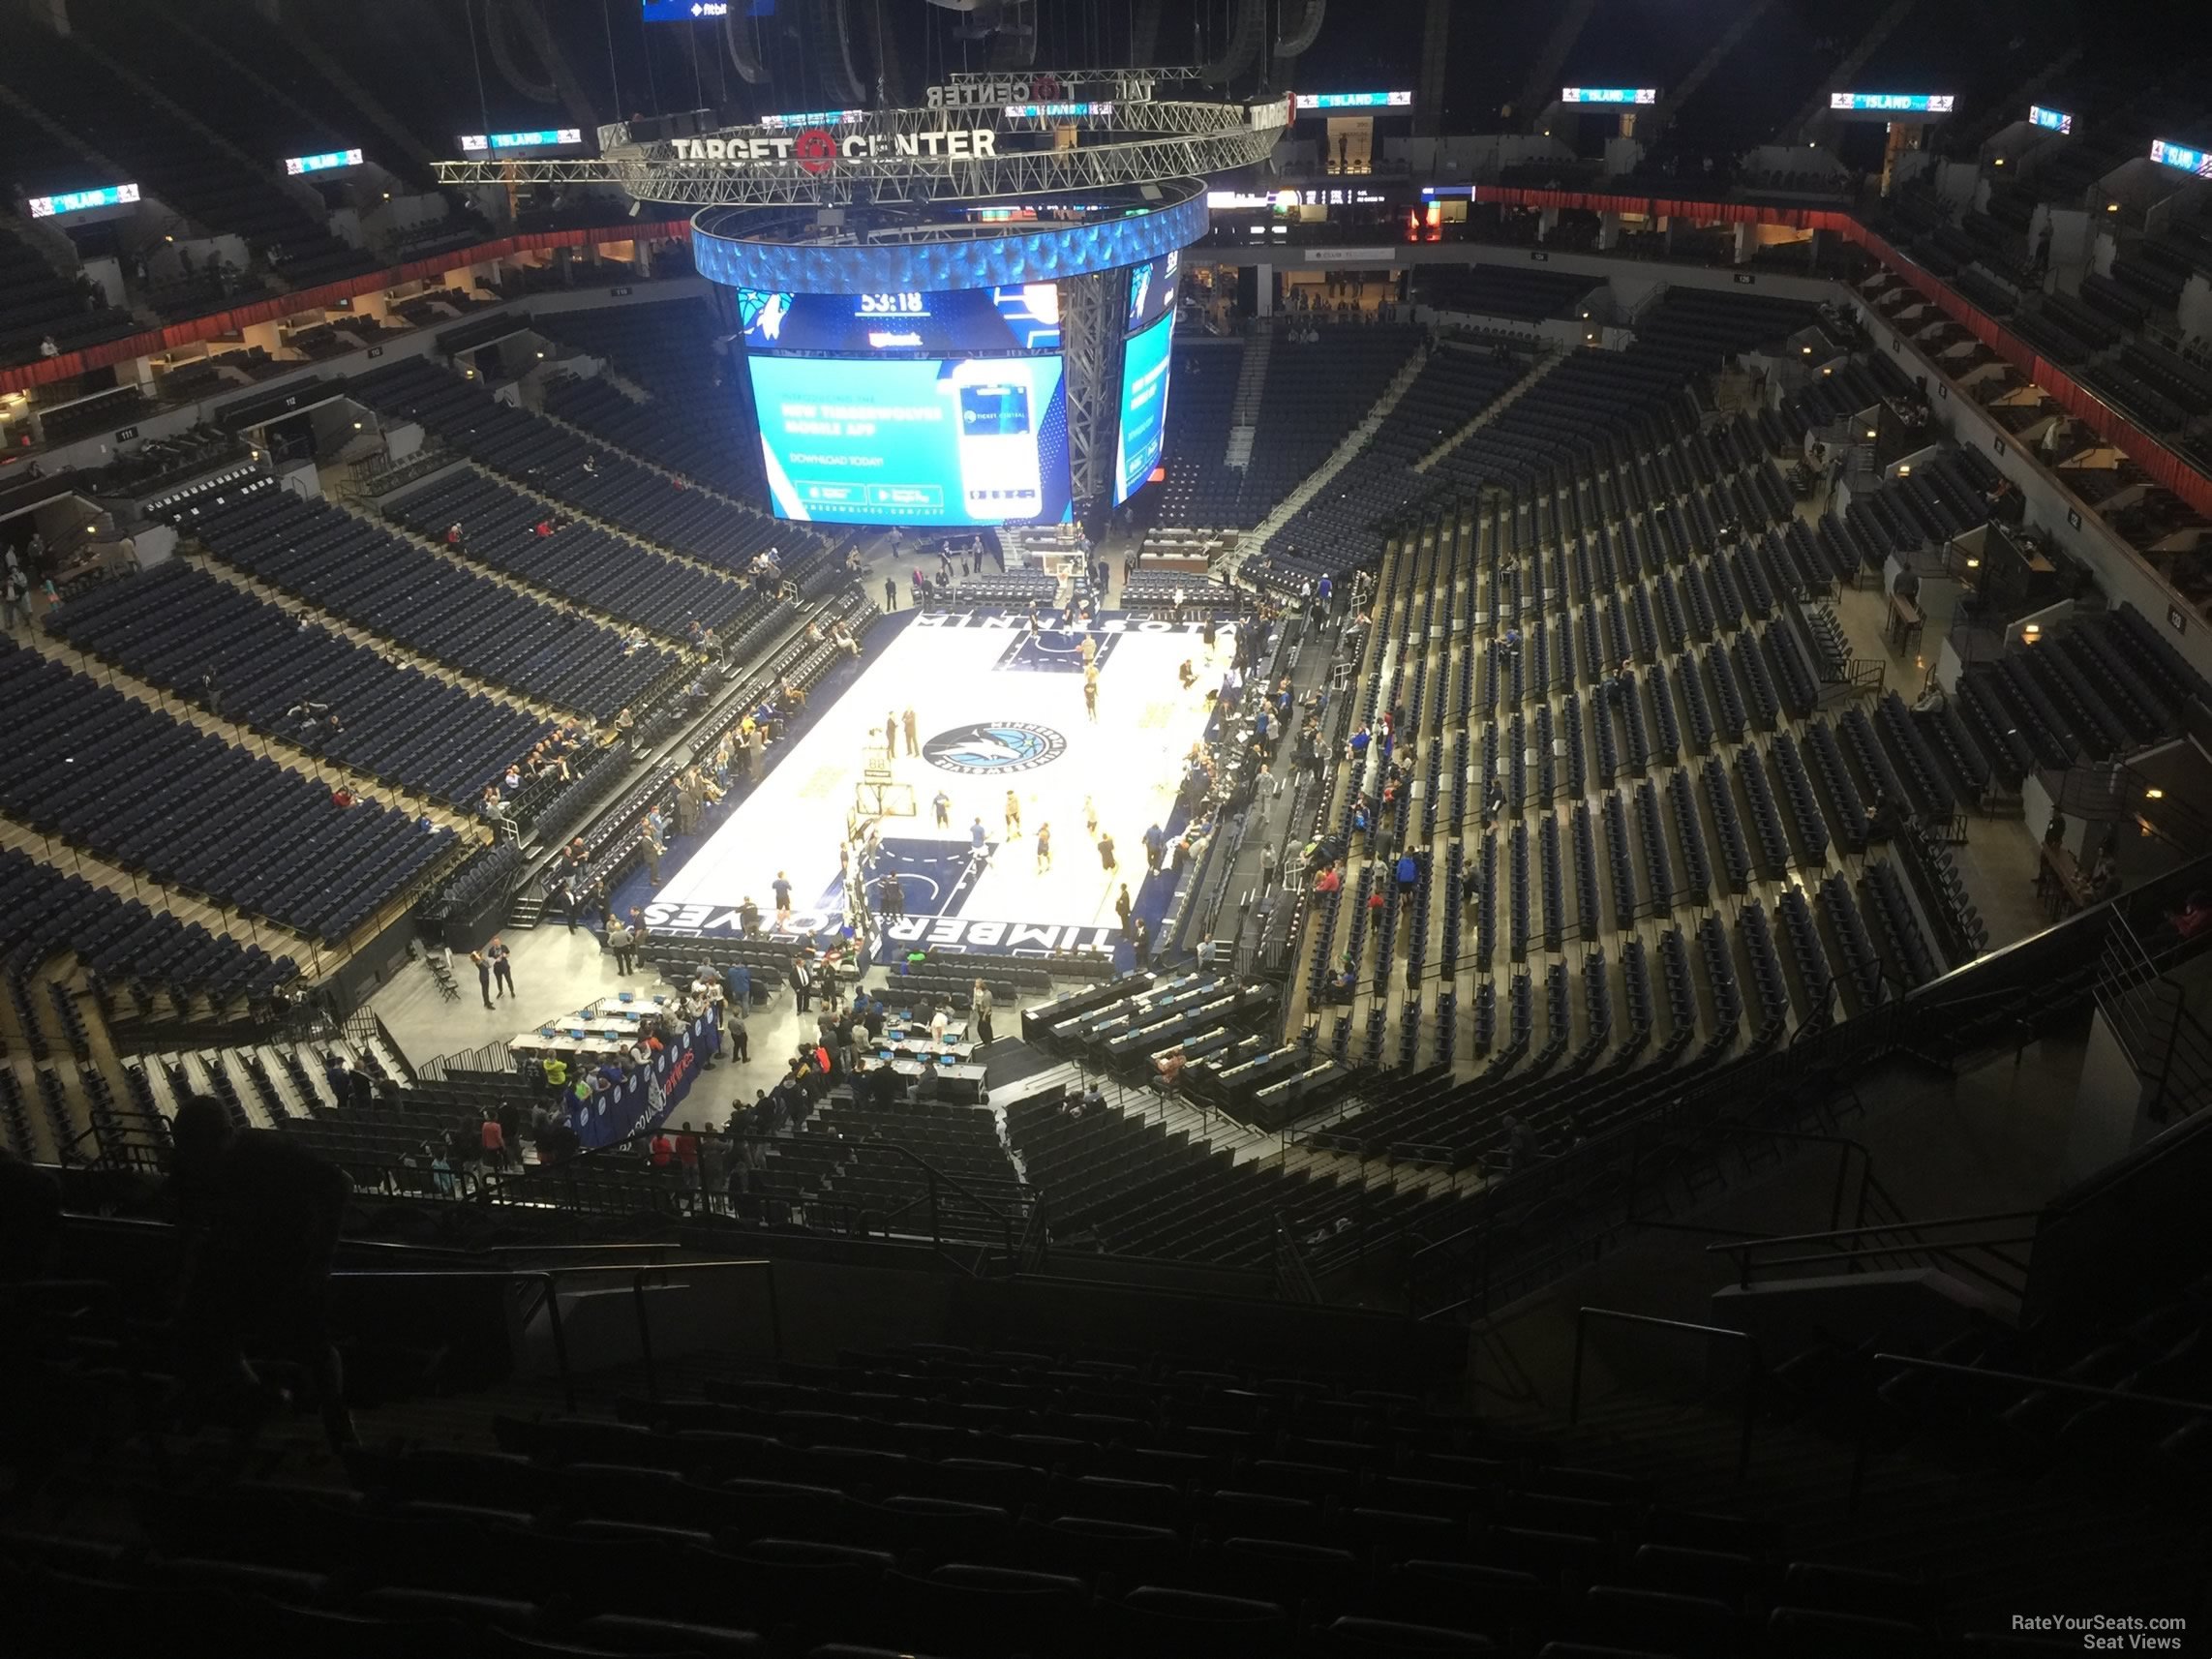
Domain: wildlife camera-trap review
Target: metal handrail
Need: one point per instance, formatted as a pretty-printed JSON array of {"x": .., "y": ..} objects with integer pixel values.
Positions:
[
  {"x": 1742, "y": 1250},
  {"x": 1294, "y": 1278},
  {"x": 549, "y": 1277},
  {"x": 1842, "y": 1168},
  {"x": 2013, "y": 1378},
  {"x": 1751, "y": 1377}
]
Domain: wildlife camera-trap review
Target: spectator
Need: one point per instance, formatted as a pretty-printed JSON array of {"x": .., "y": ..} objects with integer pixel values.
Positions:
[
  {"x": 687, "y": 1163},
  {"x": 258, "y": 1217},
  {"x": 492, "y": 1138},
  {"x": 30, "y": 1220}
]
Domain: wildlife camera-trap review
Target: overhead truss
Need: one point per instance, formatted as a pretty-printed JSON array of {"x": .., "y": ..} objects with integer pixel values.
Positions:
[{"x": 1136, "y": 143}]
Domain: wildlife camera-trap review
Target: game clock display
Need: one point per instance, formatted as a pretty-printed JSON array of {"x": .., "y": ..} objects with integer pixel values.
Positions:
[{"x": 915, "y": 323}]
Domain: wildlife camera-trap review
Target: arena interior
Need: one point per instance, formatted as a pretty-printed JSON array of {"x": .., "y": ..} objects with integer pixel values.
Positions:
[{"x": 1120, "y": 828}]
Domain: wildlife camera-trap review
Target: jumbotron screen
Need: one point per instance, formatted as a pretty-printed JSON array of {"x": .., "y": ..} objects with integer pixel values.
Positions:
[
  {"x": 915, "y": 440},
  {"x": 1144, "y": 366},
  {"x": 911, "y": 409}
]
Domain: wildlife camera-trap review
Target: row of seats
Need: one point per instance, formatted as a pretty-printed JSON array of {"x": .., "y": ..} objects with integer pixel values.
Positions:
[
  {"x": 175, "y": 162},
  {"x": 44, "y": 913},
  {"x": 1509, "y": 291},
  {"x": 543, "y": 456},
  {"x": 1335, "y": 532},
  {"x": 1137, "y": 1188},
  {"x": 199, "y": 637},
  {"x": 939, "y": 1500},
  {"x": 193, "y": 813},
  {"x": 36, "y": 305},
  {"x": 577, "y": 561},
  {"x": 376, "y": 581}
]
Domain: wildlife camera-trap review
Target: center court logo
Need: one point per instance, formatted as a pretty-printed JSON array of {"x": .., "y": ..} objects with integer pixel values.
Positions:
[{"x": 995, "y": 746}]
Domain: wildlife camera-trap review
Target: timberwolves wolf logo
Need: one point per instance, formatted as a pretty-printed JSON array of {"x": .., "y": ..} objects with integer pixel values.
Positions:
[{"x": 995, "y": 746}]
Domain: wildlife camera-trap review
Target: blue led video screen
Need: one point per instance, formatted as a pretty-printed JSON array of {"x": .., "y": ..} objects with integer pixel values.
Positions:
[
  {"x": 1025, "y": 317},
  {"x": 1145, "y": 361},
  {"x": 1152, "y": 289},
  {"x": 914, "y": 440},
  {"x": 699, "y": 11}
]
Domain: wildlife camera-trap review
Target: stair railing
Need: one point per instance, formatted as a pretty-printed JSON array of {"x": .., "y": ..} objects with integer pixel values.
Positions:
[
  {"x": 1753, "y": 1372},
  {"x": 1855, "y": 1248},
  {"x": 2010, "y": 1379}
]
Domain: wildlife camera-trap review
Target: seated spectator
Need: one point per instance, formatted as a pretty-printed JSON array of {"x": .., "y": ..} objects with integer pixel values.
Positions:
[{"x": 1169, "y": 1067}]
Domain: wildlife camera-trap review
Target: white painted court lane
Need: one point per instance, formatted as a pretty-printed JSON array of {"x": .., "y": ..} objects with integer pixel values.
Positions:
[{"x": 995, "y": 712}]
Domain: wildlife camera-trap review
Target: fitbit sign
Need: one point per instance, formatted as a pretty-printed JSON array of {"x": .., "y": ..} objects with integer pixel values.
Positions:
[{"x": 817, "y": 149}]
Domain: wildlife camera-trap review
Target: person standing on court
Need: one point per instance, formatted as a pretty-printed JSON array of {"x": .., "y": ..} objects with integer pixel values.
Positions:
[
  {"x": 1091, "y": 692},
  {"x": 1123, "y": 908},
  {"x": 889, "y": 735},
  {"x": 978, "y": 834},
  {"x": 1154, "y": 845},
  {"x": 942, "y": 802},
  {"x": 1012, "y": 816},
  {"x": 1105, "y": 853},
  {"x": 781, "y": 887},
  {"x": 913, "y": 743},
  {"x": 1044, "y": 847}
]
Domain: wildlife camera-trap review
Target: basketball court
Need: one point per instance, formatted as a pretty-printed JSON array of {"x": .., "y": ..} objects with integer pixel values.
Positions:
[{"x": 997, "y": 710}]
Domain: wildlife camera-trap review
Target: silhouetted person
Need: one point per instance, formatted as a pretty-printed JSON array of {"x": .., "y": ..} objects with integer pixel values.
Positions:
[{"x": 258, "y": 1218}]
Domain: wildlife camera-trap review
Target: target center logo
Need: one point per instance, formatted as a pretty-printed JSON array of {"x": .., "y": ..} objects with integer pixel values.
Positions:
[
  {"x": 993, "y": 748},
  {"x": 814, "y": 150}
]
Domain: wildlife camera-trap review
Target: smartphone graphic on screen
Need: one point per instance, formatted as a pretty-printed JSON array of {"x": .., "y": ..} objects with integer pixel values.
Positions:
[{"x": 999, "y": 477}]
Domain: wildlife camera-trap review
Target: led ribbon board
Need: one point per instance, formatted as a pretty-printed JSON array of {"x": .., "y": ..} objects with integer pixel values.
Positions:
[
  {"x": 1352, "y": 101},
  {"x": 2050, "y": 120},
  {"x": 1609, "y": 95},
  {"x": 813, "y": 118},
  {"x": 79, "y": 200},
  {"x": 294, "y": 166},
  {"x": 683, "y": 10},
  {"x": 725, "y": 254},
  {"x": 546, "y": 138},
  {"x": 2189, "y": 160},
  {"x": 1895, "y": 103},
  {"x": 1057, "y": 112}
]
